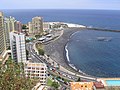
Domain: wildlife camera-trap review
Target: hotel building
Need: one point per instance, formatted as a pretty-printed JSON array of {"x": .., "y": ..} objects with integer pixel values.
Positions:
[
  {"x": 36, "y": 26},
  {"x": 36, "y": 70},
  {"x": 17, "y": 44},
  {"x": 11, "y": 25},
  {"x": 2, "y": 37}
]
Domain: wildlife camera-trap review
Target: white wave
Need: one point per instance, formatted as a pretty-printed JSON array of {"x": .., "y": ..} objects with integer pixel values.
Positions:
[
  {"x": 73, "y": 34},
  {"x": 90, "y": 26},
  {"x": 72, "y": 65},
  {"x": 67, "y": 54}
]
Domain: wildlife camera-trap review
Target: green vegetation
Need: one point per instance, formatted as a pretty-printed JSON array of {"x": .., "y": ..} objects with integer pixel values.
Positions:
[
  {"x": 79, "y": 79},
  {"x": 27, "y": 54},
  {"x": 8, "y": 48},
  {"x": 55, "y": 85},
  {"x": 49, "y": 82},
  {"x": 41, "y": 51},
  {"x": 12, "y": 77},
  {"x": 24, "y": 27},
  {"x": 52, "y": 83},
  {"x": 38, "y": 36}
]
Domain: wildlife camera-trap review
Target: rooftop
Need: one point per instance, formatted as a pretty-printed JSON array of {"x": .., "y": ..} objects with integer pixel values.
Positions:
[
  {"x": 81, "y": 85},
  {"x": 98, "y": 85},
  {"x": 35, "y": 64}
]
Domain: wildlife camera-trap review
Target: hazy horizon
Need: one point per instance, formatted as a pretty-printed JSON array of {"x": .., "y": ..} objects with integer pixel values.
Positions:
[
  {"x": 56, "y": 9},
  {"x": 62, "y": 4}
]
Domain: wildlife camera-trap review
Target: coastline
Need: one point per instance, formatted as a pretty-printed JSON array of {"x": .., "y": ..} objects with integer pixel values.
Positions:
[
  {"x": 57, "y": 50},
  {"x": 69, "y": 62}
]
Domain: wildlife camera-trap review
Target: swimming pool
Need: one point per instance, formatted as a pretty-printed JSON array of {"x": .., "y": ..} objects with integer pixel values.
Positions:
[{"x": 113, "y": 82}]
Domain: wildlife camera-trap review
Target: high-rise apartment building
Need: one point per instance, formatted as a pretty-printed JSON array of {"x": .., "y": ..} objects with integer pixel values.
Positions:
[
  {"x": 36, "y": 70},
  {"x": 17, "y": 44},
  {"x": 11, "y": 25},
  {"x": 36, "y": 26},
  {"x": 30, "y": 28},
  {"x": 18, "y": 26},
  {"x": 2, "y": 36}
]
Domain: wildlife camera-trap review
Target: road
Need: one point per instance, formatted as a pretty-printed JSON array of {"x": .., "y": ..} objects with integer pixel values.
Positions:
[{"x": 39, "y": 59}]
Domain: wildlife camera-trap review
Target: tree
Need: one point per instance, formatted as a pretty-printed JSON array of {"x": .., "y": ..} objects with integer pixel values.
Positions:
[
  {"x": 13, "y": 78},
  {"x": 27, "y": 53},
  {"x": 41, "y": 51},
  {"x": 38, "y": 36},
  {"x": 55, "y": 85},
  {"x": 24, "y": 27},
  {"x": 79, "y": 79}
]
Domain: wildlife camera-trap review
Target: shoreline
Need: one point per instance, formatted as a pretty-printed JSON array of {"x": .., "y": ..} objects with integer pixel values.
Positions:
[
  {"x": 69, "y": 62},
  {"x": 57, "y": 50}
]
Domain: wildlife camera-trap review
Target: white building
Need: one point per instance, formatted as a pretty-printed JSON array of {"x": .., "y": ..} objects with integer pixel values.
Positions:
[
  {"x": 11, "y": 25},
  {"x": 17, "y": 44},
  {"x": 36, "y": 70}
]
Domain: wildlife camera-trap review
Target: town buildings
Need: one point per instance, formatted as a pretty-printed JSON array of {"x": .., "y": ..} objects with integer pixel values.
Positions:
[
  {"x": 17, "y": 44},
  {"x": 36, "y": 70},
  {"x": 87, "y": 86},
  {"x": 11, "y": 25},
  {"x": 36, "y": 26},
  {"x": 2, "y": 37}
]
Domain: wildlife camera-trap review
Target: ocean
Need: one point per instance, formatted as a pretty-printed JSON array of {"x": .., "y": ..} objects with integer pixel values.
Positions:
[
  {"x": 100, "y": 58},
  {"x": 109, "y": 19},
  {"x": 96, "y": 53}
]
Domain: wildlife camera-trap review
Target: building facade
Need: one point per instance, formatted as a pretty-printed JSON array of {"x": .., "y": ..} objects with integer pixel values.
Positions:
[
  {"x": 18, "y": 26},
  {"x": 36, "y": 70},
  {"x": 2, "y": 36},
  {"x": 11, "y": 25},
  {"x": 46, "y": 26},
  {"x": 36, "y": 26},
  {"x": 17, "y": 44},
  {"x": 30, "y": 31}
]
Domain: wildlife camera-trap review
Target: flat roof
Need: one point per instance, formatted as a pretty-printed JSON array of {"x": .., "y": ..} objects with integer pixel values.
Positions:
[
  {"x": 35, "y": 64},
  {"x": 98, "y": 85},
  {"x": 81, "y": 85}
]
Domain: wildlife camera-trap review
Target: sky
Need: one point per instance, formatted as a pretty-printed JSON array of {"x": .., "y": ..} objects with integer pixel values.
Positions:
[{"x": 60, "y": 4}]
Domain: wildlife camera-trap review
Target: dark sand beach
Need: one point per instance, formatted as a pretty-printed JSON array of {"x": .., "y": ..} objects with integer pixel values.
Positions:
[{"x": 56, "y": 49}]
